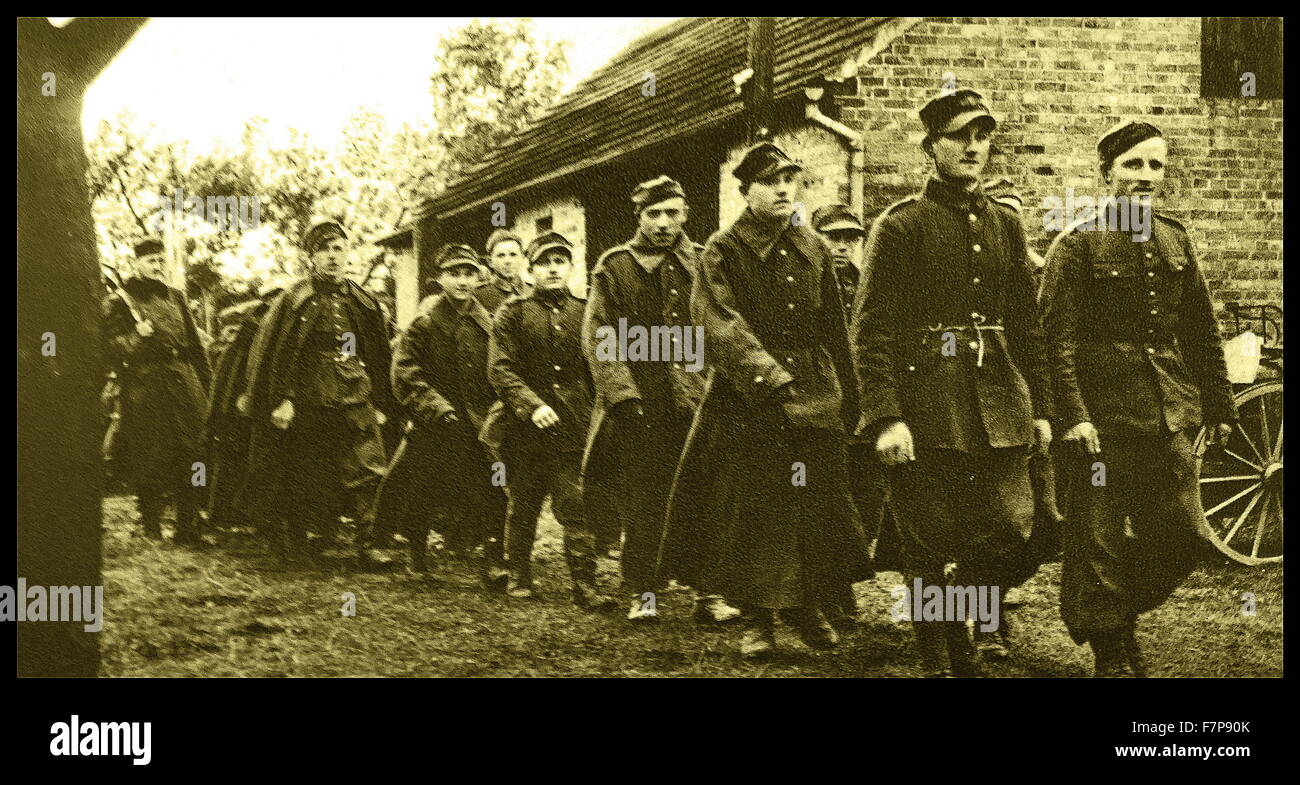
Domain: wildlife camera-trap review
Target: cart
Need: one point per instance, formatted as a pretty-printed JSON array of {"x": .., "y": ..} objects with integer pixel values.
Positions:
[{"x": 1241, "y": 481}]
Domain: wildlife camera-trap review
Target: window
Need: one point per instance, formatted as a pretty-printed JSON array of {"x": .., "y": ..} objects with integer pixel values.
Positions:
[
  {"x": 1241, "y": 57},
  {"x": 544, "y": 224}
]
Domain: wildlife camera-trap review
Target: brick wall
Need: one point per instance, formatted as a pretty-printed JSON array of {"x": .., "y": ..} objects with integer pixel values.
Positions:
[{"x": 1056, "y": 85}]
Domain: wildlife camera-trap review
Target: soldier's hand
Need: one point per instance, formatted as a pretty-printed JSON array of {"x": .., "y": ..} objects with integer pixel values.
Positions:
[
  {"x": 242, "y": 404},
  {"x": 545, "y": 417},
  {"x": 1085, "y": 435},
  {"x": 1218, "y": 433},
  {"x": 1042, "y": 436},
  {"x": 144, "y": 329},
  {"x": 283, "y": 414},
  {"x": 894, "y": 445}
]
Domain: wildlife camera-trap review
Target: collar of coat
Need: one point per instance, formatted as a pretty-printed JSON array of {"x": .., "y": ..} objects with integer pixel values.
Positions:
[
  {"x": 444, "y": 313},
  {"x": 955, "y": 196},
  {"x": 507, "y": 285},
  {"x": 761, "y": 235},
  {"x": 303, "y": 290},
  {"x": 649, "y": 256}
]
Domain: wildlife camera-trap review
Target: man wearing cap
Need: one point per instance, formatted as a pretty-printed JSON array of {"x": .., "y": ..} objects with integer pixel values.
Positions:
[
  {"x": 536, "y": 364},
  {"x": 949, "y": 359},
  {"x": 765, "y": 460},
  {"x": 154, "y": 346},
  {"x": 440, "y": 378},
  {"x": 318, "y": 392},
  {"x": 843, "y": 233},
  {"x": 505, "y": 259},
  {"x": 1137, "y": 366},
  {"x": 644, "y": 409}
]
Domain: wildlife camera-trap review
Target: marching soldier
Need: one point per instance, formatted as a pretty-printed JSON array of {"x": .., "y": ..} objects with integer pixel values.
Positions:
[
  {"x": 843, "y": 233},
  {"x": 318, "y": 392},
  {"x": 505, "y": 258},
  {"x": 782, "y": 532},
  {"x": 1137, "y": 364},
  {"x": 948, "y": 354},
  {"x": 163, "y": 372},
  {"x": 644, "y": 409},
  {"x": 440, "y": 378},
  {"x": 535, "y": 362}
]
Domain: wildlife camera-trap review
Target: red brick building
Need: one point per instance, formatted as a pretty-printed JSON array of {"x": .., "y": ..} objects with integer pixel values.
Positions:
[{"x": 841, "y": 94}]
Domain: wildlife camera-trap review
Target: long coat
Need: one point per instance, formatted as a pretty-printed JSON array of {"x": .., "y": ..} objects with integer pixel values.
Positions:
[
  {"x": 769, "y": 304},
  {"x": 228, "y": 429},
  {"x": 945, "y": 330},
  {"x": 617, "y": 291},
  {"x": 280, "y": 341},
  {"x": 163, "y": 381},
  {"x": 1132, "y": 337}
]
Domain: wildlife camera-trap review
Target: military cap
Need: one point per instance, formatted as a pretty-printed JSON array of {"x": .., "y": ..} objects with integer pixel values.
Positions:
[
  {"x": 1004, "y": 191},
  {"x": 948, "y": 112},
  {"x": 321, "y": 232},
  {"x": 545, "y": 242},
  {"x": 1122, "y": 137},
  {"x": 763, "y": 160},
  {"x": 150, "y": 245},
  {"x": 501, "y": 236},
  {"x": 655, "y": 191},
  {"x": 450, "y": 256},
  {"x": 836, "y": 218}
]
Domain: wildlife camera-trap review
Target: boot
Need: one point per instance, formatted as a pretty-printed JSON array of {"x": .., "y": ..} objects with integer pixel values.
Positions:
[
  {"x": 151, "y": 509},
  {"x": 713, "y": 609},
  {"x": 962, "y": 656},
  {"x": 1110, "y": 656},
  {"x": 759, "y": 640},
  {"x": 492, "y": 569},
  {"x": 995, "y": 644},
  {"x": 815, "y": 631},
  {"x": 189, "y": 525},
  {"x": 588, "y": 597}
]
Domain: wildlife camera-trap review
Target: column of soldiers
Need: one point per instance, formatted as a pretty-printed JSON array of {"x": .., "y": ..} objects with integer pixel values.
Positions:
[{"x": 891, "y": 412}]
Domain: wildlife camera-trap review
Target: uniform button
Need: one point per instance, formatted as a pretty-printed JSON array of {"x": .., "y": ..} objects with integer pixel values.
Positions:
[
  {"x": 677, "y": 365},
  {"x": 1151, "y": 350},
  {"x": 1114, "y": 272},
  {"x": 557, "y": 327},
  {"x": 911, "y": 367},
  {"x": 672, "y": 291},
  {"x": 1151, "y": 275},
  {"x": 758, "y": 380},
  {"x": 974, "y": 344},
  {"x": 1154, "y": 311},
  {"x": 556, "y": 385},
  {"x": 557, "y": 367},
  {"x": 782, "y": 252},
  {"x": 974, "y": 314},
  {"x": 975, "y": 247},
  {"x": 1153, "y": 294},
  {"x": 789, "y": 361},
  {"x": 1151, "y": 331},
  {"x": 790, "y": 306},
  {"x": 975, "y": 279},
  {"x": 1147, "y": 254},
  {"x": 972, "y": 217},
  {"x": 674, "y": 314},
  {"x": 790, "y": 278}
]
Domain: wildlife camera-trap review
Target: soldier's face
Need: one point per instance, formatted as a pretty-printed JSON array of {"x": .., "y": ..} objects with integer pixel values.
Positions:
[
  {"x": 772, "y": 197},
  {"x": 1138, "y": 172},
  {"x": 662, "y": 222},
  {"x": 459, "y": 282},
  {"x": 552, "y": 270},
  {"x": 506, "y": 259},
  {"x": 845, "y": 245},
  {"x": 330, "y": 260},
  {"x": 962, "y": 154},
  {"x": 151, "y": 266}
]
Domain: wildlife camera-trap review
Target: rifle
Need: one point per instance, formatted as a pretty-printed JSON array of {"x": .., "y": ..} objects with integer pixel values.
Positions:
[{"x": 115, "y": 286}]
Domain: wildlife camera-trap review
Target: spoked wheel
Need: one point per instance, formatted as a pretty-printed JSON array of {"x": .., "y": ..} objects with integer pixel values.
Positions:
[{"x": 1241, "y": 482}]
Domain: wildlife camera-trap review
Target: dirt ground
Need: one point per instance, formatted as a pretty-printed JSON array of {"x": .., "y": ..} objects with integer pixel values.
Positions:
[{"x": 171, "y": 611}]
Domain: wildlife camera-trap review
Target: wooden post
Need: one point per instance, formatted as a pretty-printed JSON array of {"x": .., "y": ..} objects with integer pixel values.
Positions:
[{"x": 758, "y": 90}]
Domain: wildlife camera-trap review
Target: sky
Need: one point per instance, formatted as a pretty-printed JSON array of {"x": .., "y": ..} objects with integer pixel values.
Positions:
[{"x": 199, "y": 79}]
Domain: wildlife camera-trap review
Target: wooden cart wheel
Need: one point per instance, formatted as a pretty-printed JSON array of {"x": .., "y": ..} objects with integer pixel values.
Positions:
[{"x": 1241, "y": 482}]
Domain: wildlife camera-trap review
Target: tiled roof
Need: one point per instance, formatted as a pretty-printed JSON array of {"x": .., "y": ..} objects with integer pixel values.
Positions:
[{"x": 607, "y": 114}]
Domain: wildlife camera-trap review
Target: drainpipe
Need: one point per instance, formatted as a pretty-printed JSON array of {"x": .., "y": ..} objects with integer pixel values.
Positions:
[{"x": 857, "y": 154}]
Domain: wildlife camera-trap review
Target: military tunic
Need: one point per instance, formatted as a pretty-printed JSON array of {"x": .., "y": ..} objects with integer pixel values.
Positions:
[{"x": 1135, "y": 350}]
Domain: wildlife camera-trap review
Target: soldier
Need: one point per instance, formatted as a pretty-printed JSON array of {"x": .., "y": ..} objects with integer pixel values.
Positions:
[
  {"x": 505, "y": 258},
  {"x": 948, "y": 353},
  {"x": 228, "y": 428},
  {"x": 644, "y": 409},
  {"x": 843, "y": 233},
  {"x": 162, "y": 368},
  {"x": 535, "y": 362},
  {"x": 1137, "y": 362},
  {"x": 782, "y": 533},
  {"x": 440, "y": 378},
  {"x": 318, "y": 392}
]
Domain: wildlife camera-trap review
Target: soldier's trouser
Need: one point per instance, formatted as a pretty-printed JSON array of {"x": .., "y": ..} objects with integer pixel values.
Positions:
[
  {"x": 188, "y": 499},
  {"x": 972, "y": 509},
  {"x": 529, "y": 478},
  {"x": 1113, "y": 571},
  {"x": 649, "y": 457},
  {"x": 335, "y": 460}
]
